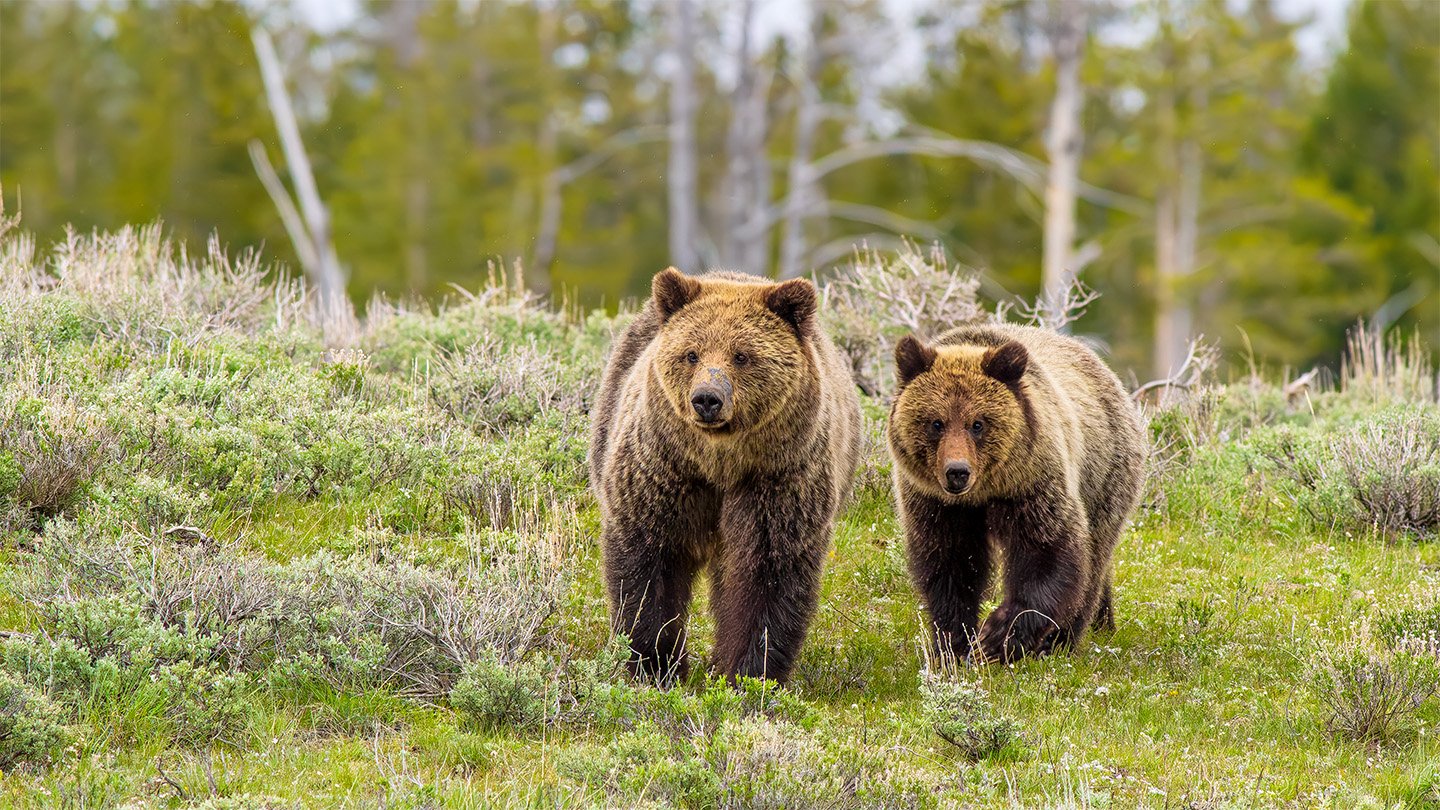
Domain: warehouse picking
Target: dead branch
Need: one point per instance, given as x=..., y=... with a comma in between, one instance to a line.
x=1199, y=361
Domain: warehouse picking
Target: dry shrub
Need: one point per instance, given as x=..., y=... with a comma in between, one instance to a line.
x=1383, y=370
x=138, y=287
x=1369, y=691
x=496, y=387
x=882, y=297
x=50, y=445
x=352, y=622
x=1381, y=473
x=1392, y=467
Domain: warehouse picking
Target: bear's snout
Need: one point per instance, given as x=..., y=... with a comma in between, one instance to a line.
x=957, y=476
x=710, y=398
x=707, y=404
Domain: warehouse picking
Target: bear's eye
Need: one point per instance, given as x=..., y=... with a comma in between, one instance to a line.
x=977, y=427
x=741, y=358
x=937, y=426
x=692, y=358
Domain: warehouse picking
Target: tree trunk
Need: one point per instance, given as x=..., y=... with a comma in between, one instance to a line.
x=1177, y=232
x=325, y=272
x=746, y=188
x=1062, y=146
x=803, y=190
x=537, y=275
x=682, y=172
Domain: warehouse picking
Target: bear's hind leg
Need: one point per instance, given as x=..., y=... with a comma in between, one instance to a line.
x=1105, y=613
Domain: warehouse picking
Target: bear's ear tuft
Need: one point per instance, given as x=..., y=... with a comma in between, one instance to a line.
x=1006, y=362
x=794, y=301
x=672, y=290
x=912, y=358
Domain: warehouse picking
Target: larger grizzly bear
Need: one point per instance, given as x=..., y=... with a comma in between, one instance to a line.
x=726, y=435
x=1020, y=440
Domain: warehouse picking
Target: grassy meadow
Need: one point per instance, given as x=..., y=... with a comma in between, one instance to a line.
x=251, y=556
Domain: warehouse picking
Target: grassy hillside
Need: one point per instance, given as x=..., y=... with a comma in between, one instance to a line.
x=254, y=559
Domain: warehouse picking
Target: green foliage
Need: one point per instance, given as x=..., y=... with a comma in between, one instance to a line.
x=1372, y=137
x=441, y=148
x=1379, y=472
x=962, y=713
x=31, y=726
x=496, y=696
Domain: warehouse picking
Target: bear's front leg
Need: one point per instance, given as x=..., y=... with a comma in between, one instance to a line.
x=1047, y=569
x=652, y=545
x=775, y=535
x=949, y=560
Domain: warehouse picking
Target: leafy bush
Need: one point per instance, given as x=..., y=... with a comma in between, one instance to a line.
x=349, y=622
x=204, y=704
x=751, y=762
x=1382, y=472
x=495, y=696
x=962, y=714
x=31, y=726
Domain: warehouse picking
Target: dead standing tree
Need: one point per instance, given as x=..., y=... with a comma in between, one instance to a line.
x=309, y=226
x=746, y=187
x=1060, y=261
x=683, y=174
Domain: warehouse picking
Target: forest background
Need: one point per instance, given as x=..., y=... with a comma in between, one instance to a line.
x=1225, y=181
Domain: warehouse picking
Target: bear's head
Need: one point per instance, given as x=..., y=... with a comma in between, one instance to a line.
x=731, y=351
x=959, y=416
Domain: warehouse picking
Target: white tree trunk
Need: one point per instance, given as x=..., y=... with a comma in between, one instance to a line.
x=324, y=269
x=1062, y=146
x=746, y=189
x=804, y=192
x=547, y=236
x=1177, y=233
x=682, y=171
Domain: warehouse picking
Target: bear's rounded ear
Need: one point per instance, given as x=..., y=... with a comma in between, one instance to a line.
x=672, y=290
x=794, y=301
x=912, y=358
x=1006, y=362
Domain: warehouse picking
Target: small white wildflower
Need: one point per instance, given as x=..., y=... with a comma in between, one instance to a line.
x=1102, y=691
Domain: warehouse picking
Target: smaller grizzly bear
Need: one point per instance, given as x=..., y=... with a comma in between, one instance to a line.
x=726, y=435
x=1020, y=440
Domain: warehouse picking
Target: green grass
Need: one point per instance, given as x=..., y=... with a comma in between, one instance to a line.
x=1233, y=580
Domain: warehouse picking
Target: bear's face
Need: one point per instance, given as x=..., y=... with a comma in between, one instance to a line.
x=958, y=418
x=731, y=353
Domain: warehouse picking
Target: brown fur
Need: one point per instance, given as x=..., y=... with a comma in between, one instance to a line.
x=1054, y=471
x=752, y=496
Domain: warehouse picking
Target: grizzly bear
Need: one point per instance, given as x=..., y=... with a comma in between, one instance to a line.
x=725, y=437
x=1015, y=440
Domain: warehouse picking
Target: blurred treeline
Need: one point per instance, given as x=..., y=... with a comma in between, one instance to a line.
x=444, y=135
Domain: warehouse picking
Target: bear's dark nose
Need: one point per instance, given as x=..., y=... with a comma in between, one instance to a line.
x=707, y=405
x=957, y=476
